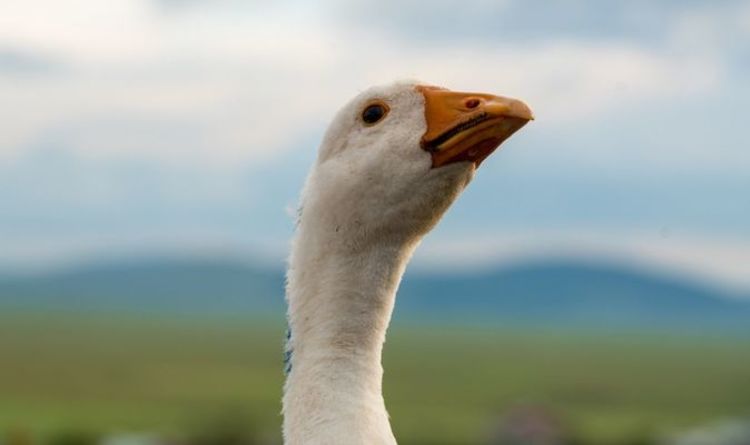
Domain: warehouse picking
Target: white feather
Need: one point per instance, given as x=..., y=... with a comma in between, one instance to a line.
x=368, y=200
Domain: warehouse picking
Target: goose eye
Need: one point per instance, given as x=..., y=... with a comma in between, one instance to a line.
x=373, y=113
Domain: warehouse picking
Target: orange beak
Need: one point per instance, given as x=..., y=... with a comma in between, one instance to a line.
x=468, y=126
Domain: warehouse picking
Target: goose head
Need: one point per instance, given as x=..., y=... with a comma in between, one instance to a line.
x=395, y=157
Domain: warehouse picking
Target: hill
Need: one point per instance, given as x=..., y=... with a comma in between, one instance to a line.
x=552, y=293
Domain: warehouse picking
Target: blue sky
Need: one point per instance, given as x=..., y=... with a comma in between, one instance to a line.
x=186, y=126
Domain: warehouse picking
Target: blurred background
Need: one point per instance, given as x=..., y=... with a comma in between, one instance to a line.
x=591, y=287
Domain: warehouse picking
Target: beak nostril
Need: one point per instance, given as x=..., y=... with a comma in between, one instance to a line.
x=472, y=103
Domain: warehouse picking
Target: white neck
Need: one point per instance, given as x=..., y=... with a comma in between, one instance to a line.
x=340, y=303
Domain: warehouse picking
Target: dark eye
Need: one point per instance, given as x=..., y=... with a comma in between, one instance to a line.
x=373, y=113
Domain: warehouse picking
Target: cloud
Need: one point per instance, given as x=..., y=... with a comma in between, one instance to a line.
x=158, y=124
x=236, y=88
x=639, y=22
x=16, y=63
x=58, y=208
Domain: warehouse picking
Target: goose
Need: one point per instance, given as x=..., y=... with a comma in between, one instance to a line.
x=390, y=164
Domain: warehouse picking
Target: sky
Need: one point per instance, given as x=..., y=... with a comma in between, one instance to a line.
x=186, y=127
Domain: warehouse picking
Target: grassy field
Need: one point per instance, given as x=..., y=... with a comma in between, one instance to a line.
x=98, y=374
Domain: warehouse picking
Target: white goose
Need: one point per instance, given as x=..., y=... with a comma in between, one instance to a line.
x=391, y=163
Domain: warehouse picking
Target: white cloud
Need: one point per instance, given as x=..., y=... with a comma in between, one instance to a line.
x=225, y=86
x=565, y=81
x=711, y=28
x=77, y=27
x=245, y=87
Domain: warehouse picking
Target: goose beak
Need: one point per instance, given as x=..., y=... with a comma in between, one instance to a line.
x=468, y=126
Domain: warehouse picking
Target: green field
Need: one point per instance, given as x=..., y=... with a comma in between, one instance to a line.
x=100, y=374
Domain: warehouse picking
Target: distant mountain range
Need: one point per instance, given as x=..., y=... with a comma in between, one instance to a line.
x=560, y=293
